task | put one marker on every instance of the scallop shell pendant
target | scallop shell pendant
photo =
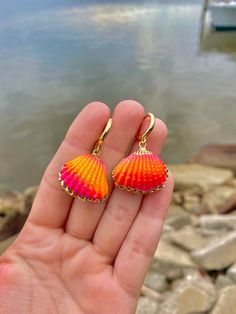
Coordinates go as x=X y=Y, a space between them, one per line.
x=85 y=177
x=141 y=172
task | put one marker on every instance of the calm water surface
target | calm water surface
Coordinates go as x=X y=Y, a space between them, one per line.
x=56 y=56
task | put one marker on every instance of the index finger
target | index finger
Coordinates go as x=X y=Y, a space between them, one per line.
x=52 y=204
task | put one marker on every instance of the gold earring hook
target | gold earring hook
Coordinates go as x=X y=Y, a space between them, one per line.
x=143 y=138
x=101 y=139
x=150 y=127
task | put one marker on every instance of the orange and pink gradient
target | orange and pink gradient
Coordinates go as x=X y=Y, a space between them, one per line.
x=140 y=173
x=85 y=177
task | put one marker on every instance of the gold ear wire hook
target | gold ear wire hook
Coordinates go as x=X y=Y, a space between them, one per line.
x=142 y=138
x=101 y=139
x=150 y=127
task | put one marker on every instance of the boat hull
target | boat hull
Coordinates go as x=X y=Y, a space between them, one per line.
x=223 y=15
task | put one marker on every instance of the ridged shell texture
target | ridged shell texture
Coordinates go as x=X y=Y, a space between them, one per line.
x=85 y=177
x=140 y=173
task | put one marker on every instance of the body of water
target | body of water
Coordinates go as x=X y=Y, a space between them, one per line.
x=56 y=56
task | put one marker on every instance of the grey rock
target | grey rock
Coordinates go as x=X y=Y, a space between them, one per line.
x=223 y=281
x=191 y=200
x=10 y=199
x=147 y=306
x=218 y=155
x=203 y=178
x=175 y=210
x=152 y=294
x=177 y=222
x=167 y=228
x=171 y=270
x=177 y=198
x=171 y=260
x=211 y=233
x=226 y=303
x=11 y=222
x=231 y=272
x=192 y=295
x=218 y=222
x=11 y=216
x=170 y=253
x=187 y=238
x=221 y=199
x=218 y=253
x=177 y=217
x=156 y=281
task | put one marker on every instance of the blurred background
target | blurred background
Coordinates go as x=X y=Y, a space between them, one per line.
x=56 y=56
x=178 y=60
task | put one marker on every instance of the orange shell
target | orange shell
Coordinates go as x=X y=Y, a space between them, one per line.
x=140 y=172
x=85 y=177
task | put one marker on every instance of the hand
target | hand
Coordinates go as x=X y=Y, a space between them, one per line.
x=76 y=257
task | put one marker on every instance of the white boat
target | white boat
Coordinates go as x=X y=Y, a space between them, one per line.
x=223 y=14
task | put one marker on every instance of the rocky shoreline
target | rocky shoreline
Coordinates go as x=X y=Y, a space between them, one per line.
x=194 y=268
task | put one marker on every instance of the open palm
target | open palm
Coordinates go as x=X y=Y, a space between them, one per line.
x=76 y=257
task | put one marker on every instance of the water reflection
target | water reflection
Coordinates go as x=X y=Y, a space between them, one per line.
x=56 y=57
x=216 y=41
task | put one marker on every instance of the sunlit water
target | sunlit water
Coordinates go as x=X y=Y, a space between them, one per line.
x=56 y=56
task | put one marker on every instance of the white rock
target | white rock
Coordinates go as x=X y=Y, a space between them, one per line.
x=217 y=254
x=187 y=238
x=171 y=254
x=146 y=306
x=231 y=272
x=156 y=281
x=192 y=295
x=226 y=303
x=171 y=261
x=221 y=199
x=218 y=222
x=195 y=175
x=223 y=281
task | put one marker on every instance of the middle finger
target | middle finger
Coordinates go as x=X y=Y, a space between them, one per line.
x=84 y=216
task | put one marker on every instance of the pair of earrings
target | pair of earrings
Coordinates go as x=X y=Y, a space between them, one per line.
x=141 y=172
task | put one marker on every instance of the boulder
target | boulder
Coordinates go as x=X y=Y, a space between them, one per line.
x=179 y=221
x=11 y=222
x=203 y=178
x=221 y=155
x=192 y=202
x=10 y=198
x=11 y=217
x=223 y=281
x=171 y=270
x=177 y=198
x=171 y=254
x=218 y=222
x=147 y=306
x=156 y=281
x=152 y=294
x=226 y=303
x=171 y=260
x=192 y=295
x=217 y=254
x=187 y=238
x=177 y=217
x=221 y=199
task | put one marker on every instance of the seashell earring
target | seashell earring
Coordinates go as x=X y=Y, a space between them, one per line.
x=85 y=176
x=142 y=172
